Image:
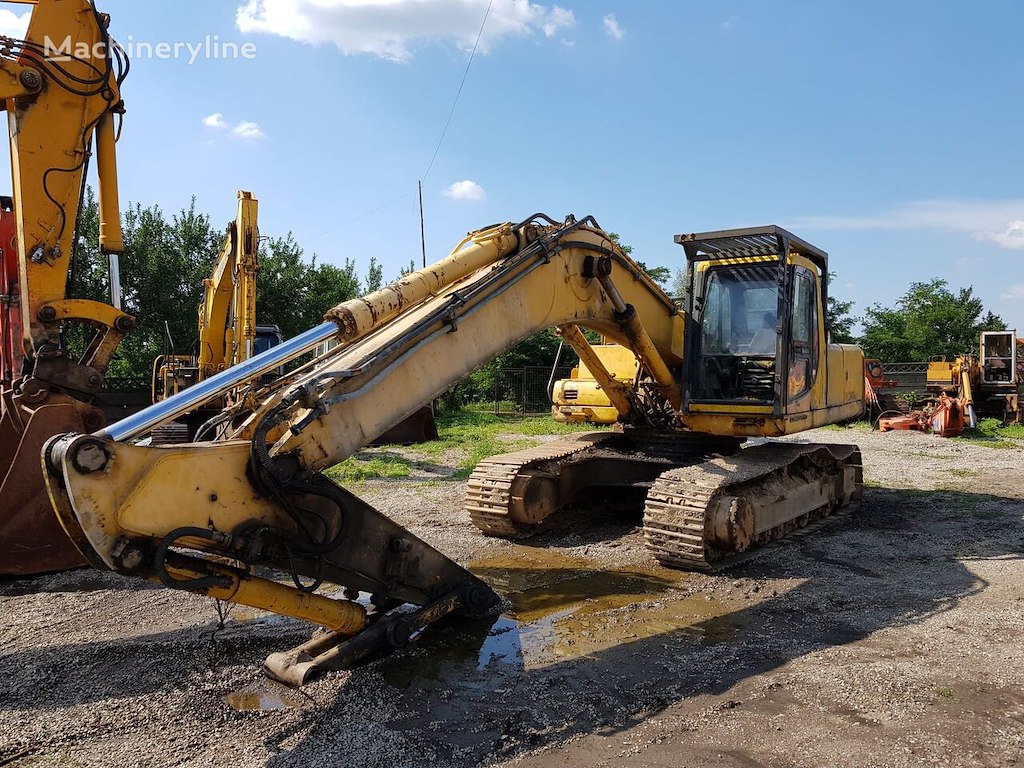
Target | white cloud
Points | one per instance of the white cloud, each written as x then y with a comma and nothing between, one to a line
729,23
1014,292
998,221
248,130
216,120
13,24
557,19
245,130
612,28
389,28
1012,235
465,190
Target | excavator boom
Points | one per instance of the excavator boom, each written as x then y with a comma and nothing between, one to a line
257,497
61,110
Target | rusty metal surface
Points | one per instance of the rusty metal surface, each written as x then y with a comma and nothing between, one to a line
31,538
338,650
943,416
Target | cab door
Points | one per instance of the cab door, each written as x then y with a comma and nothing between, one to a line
803,341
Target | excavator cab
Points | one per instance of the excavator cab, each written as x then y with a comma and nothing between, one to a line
756,340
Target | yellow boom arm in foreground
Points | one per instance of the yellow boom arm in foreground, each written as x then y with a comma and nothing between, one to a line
199,516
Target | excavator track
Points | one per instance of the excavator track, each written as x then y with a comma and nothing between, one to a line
511,494
713,515
489,490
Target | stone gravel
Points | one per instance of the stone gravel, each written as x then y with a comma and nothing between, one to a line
892,637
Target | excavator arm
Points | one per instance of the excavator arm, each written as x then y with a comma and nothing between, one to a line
257,498
227,316
227,313
62,105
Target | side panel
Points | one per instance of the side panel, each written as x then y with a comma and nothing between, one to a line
845,374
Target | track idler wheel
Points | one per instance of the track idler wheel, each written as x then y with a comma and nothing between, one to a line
730,524
535,497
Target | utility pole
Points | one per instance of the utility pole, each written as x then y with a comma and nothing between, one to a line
423,239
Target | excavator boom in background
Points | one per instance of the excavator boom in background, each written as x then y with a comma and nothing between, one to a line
228,333
581,398
255,521
61,113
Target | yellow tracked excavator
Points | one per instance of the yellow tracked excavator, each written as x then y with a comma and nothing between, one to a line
227,329
254,521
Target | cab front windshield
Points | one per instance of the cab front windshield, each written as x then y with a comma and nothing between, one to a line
739,312
738,339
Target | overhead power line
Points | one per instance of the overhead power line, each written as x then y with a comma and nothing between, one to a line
437,149
459,93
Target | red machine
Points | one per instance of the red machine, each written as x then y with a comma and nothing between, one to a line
878,401
943,416
11,354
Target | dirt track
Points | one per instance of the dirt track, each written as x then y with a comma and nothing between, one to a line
893,637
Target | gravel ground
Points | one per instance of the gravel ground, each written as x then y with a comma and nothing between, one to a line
892,637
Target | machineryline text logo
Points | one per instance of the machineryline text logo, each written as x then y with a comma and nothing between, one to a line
211,47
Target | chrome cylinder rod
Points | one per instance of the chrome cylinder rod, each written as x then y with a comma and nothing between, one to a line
139,423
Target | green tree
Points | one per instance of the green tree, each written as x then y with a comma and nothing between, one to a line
837,316
88,277
162,273
407,270
661,275
677,290
374,275
162,269
929,319
293,293
165,263
614,237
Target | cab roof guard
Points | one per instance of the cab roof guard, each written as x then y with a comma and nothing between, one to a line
752,241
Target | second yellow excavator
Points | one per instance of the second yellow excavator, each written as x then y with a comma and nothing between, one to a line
254,520
228,333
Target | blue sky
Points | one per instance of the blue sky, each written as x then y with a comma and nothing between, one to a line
886,133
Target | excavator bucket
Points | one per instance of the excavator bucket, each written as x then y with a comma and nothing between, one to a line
31,538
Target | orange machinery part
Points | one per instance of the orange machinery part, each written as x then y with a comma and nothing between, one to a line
945,419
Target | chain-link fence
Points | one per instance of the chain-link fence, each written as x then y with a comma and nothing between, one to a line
126,384
911,378
523,391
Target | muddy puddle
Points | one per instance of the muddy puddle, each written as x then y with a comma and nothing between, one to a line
562,608
265,696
